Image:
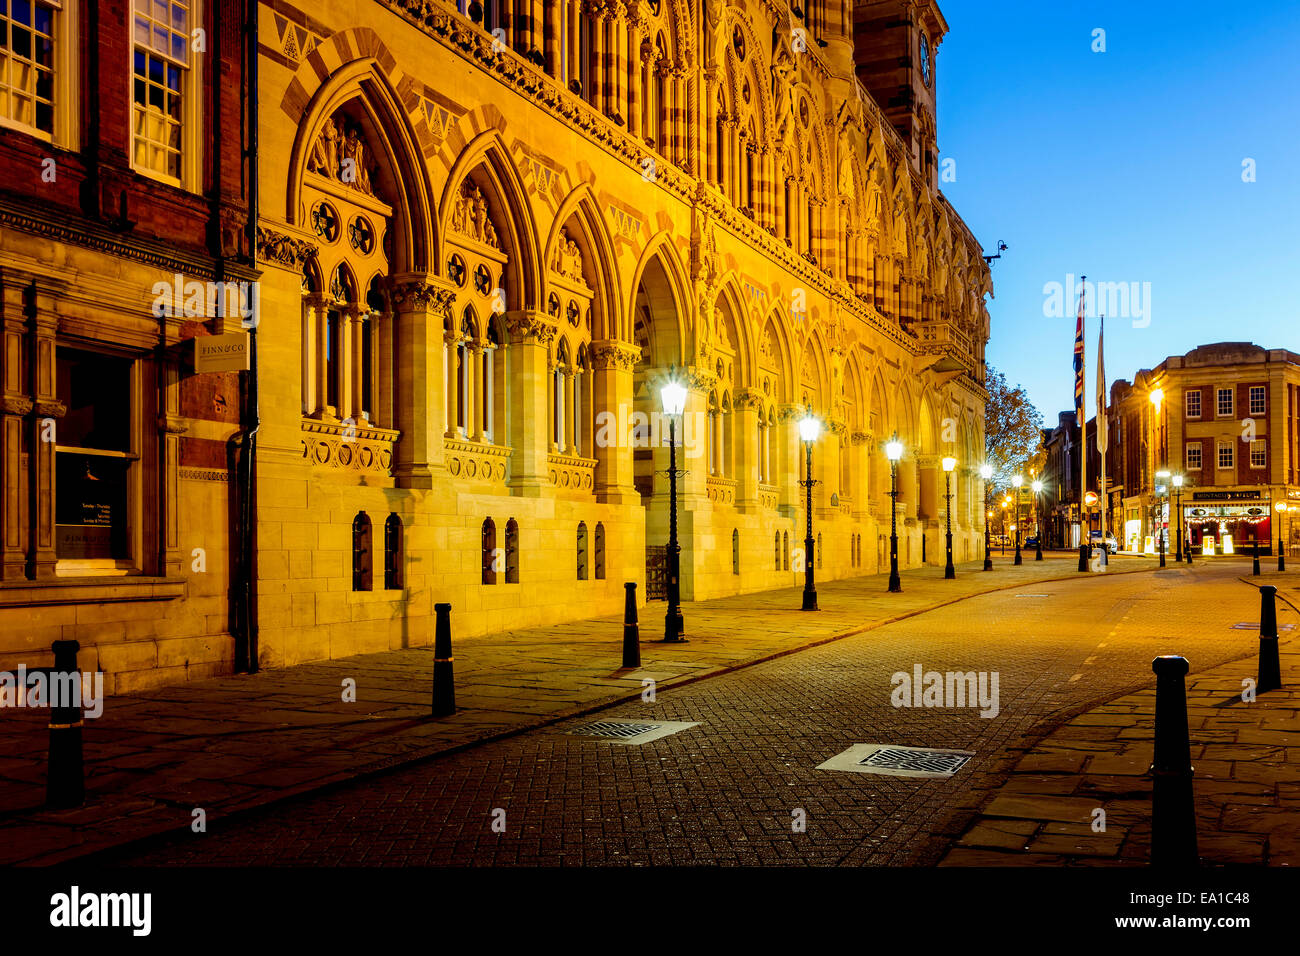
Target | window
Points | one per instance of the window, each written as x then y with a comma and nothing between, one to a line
582,550
785,549
161,65
1224,406
776,549
1225,454
489,551
599,551
512,552
1258,454
362,570
735,551
1194,456
27,69
1257,400
95,459
393,570
1193,402
819,551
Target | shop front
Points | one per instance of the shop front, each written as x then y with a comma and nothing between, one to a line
1228,522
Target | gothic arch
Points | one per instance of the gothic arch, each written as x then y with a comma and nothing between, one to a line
669,294
509,197
414,231
599,260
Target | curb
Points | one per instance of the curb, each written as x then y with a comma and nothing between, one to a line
378,768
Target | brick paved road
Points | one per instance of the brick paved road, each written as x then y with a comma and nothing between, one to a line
724,792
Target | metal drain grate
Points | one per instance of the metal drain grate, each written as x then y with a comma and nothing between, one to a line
928,761
611,728
633,732
893,760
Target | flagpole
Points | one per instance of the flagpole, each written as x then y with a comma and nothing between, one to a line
1083,418
1103,417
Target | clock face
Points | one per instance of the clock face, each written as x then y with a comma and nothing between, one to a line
925,60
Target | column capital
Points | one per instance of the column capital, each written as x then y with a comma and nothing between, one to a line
284,250
748,398
531,327
927,461
421,292
612,353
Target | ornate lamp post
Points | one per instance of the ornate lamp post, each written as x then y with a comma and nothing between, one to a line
949,464
1178,505
1038,524
673,395
986,472
893,451
809,429
1002,547
1016,482
1281,508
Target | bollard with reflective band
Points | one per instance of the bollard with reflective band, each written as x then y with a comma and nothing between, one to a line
444,685
65,783
631,630
1173,812
1270,665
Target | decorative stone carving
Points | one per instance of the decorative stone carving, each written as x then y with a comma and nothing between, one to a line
530,327
567,260
470,217
15,404
472,461
415,294
615,355
283,250
568,472
747,398
340,154
348,447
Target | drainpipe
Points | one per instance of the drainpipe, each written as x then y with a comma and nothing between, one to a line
245,590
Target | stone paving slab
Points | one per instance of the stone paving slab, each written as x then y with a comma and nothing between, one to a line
233,743
1246,757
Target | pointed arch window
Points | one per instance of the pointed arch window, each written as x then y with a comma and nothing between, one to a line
394,571
598,551
362,553
488,551
735,551
512,552
776,549
582,551
785,550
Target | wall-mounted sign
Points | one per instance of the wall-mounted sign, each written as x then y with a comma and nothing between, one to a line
1090,498
221,353
1225,496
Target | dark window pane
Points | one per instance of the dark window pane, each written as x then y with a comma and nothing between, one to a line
97,392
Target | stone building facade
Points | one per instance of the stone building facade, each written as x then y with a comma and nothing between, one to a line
489,233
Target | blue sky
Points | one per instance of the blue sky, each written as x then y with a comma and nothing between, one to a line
1127,166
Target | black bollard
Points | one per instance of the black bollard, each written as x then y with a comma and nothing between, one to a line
444,683
1270,667
631,630
1083,557
1255,569
1173,811
65,784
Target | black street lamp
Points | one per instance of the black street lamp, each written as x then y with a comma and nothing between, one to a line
893,451
1161,489
986,472
949,463
1281,508
673,395
1178,505
1016,482
1038,522
809,429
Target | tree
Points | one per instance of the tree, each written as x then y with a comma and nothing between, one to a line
1013,431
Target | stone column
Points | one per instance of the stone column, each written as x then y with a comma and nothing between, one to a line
746,404
550,46
382,358
612,391
636,70
46,405
356,398
320,348
171,426
474,420
423,313
568,445
531,334
15,404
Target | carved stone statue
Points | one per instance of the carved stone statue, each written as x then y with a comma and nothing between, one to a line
715,36
324,158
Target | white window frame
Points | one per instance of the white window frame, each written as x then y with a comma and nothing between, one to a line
1261,446
1263,400
1232,402
67,79
1187,403
191,106
1220,448
1187,456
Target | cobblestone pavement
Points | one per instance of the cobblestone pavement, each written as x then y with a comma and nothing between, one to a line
730,790
232,743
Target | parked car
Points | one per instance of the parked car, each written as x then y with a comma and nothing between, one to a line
1112,545
1031,541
